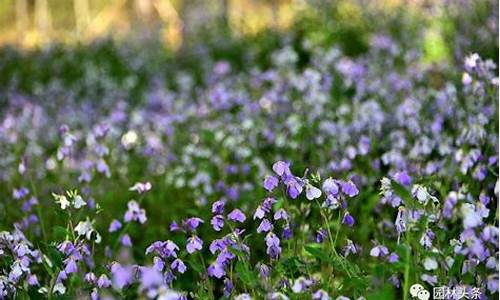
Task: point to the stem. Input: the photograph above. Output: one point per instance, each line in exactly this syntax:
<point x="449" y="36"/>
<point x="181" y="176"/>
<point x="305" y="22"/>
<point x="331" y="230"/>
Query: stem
<point x="52" y="284"/>
<point x="406" y="286"/>
<point x="209" y="283"/>
<point x="39" y="211"/>
<point x="333" y="242"/>
<point x="238" y="253"/>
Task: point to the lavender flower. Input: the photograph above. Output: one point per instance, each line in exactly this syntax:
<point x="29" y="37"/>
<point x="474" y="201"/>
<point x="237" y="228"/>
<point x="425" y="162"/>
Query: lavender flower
<point x="194" y="244"/>
<point x="236" y="215"/>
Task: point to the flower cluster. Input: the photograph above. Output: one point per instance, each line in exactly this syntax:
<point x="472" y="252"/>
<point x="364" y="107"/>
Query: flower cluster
<point x="317" y="175"/>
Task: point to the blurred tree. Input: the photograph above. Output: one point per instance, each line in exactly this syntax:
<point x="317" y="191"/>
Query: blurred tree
<point x="82" y="16"/>
<point x="42" y="21"/>
<point x="22" y="20"/>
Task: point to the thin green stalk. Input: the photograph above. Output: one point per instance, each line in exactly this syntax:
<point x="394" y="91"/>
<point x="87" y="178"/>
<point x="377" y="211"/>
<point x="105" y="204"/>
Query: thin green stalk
<point x="39" y="211"/>
<point x="333" y="242"/>
<point x="209" y="283"/>
<point x="406" y="286"/>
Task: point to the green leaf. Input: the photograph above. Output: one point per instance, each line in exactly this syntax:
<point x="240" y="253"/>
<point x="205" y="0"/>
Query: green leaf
<point x="196" y="265"/>
<point x="247" y="276"/>
<point x="386" y="293"/>
<point x="55" y="256"/>
<point x="405" y="195"/>
<point x="59" y="232"/>
<point x="316" y="251"/>
<point x="457" y="265"/>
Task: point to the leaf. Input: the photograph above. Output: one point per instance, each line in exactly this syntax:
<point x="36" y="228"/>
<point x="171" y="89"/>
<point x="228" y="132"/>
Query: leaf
<point x="291" y="266"/>
<point x="457" y="265"/>
<point x="196" y="265"/>
<point x="386" y="293"/>
<point x="247" y="276"/>
<point x="405" y="195"/>
<point x="55" y="256"/>
<point x="59" y="232"/>
<point x="316" y="251"/>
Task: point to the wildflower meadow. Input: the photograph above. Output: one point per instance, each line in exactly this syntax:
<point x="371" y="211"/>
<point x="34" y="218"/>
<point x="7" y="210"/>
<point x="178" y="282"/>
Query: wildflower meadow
<point x="328" y="160"/>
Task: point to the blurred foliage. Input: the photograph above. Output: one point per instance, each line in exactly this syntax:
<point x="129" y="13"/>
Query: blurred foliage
<point x="444" y="33"/>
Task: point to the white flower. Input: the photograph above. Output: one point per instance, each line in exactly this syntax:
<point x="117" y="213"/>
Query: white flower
<point x="83" y="227"/>
<point x="422" y="195"/>
<point x="62" y="200"/>
<point x="471" y="217"/>
<point x="312" y="192"/>
<point x="59" y="288"/>
<point x="78" y="202"/>
<point x="430" y="263"/>
<point x="141" y="187"/>
<point x="86" y="229"/>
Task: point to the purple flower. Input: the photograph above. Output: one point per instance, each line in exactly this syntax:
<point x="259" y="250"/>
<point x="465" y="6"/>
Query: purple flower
<point x="32" y="280"/>
<point x="273" y="245"/>
<point x="216" y="270"/>
<point x="321" y="295"/>
<point x="228" y="287"/>
<point x="122" y="275"/>
<point x="293" y="187"/>
<point x="348" y="219"/>
<point x="402" y="178"/>
<point x="264" y="270"/>
<point x="330" y="187"/>
<point x="115" y="225"/>
<point x="312" y="192"/>
<point x="178" y="265"/>
<point x="103" y="281"/>
<point x="321" y="235"/>
<point x="225" y="256"/>
<point x="217" y="222"/>
<point x="90" y="278"/>
<point x="236" y="215"/>
<point x="287" y="233"/>
<point x="218" y="207"/>
<point x="158" y="263"/>
<point x="259" y="213"/>
<point x="192" y="223"/>
<point x="20" y="193"/>
<point x="492" y="283"/>
<point x="135" y="213"/>
<point x="194" y="243"/>
<point x="392" y="258"/>
<point x="280" y="215"/>
<point x="174" y="226"/>
<point x="349" y="248"/>
<point x="281" y="168"/>
<point x="150" y="278"/>
<point x="270" y="183"/>
<point x="264" y="226"/>
<point x="60" y="277"/>
<point x="126" y="241"/>
<point x="430" y="279"/>
<point x="349" y="188"/>
<point x="379" y="250"/>
<point x="427" y="238"/>
<point x="164" y="249"/>
<point x="216" y="245"/>
<point x="71" y="266"/>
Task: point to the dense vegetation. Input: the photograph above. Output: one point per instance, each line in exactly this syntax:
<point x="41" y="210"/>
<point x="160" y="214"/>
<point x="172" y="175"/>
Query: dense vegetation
<point x="339" y="160"/>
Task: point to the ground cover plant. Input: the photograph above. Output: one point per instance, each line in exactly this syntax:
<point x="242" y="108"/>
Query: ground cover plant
<point x="302" y="171"/>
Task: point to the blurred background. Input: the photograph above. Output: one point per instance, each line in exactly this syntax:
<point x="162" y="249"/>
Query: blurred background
<point x="42" y="40"/>
<point x="35" y="23"/>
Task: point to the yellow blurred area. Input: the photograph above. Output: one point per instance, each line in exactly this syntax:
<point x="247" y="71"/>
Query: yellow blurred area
<point x="31" y="23"/>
